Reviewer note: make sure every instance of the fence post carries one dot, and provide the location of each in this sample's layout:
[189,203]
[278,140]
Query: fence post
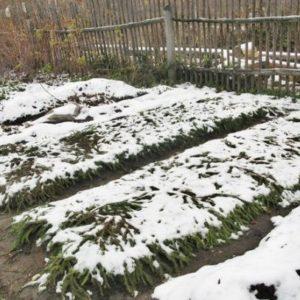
[170,39]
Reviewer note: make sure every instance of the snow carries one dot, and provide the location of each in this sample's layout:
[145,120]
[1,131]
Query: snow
[39,97]
[275,262]
[165,201]
[178,197]
[246,46]
[69,109]
[125,128]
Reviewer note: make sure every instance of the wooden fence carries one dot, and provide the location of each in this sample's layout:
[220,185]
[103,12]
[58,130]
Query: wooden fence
[233,44]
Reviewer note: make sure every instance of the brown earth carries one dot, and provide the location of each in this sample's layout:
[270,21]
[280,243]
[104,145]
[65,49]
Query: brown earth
[16,268]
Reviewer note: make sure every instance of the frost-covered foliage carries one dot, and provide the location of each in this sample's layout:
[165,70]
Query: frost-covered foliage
[150,222]
[271,271]
[6,88]
[42,160]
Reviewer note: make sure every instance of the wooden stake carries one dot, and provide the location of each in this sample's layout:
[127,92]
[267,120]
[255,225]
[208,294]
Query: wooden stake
[170,39]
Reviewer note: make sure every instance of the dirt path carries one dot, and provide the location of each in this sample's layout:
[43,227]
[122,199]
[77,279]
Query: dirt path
[16,269]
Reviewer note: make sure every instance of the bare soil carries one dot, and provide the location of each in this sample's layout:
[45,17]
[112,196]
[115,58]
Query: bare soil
[17,268]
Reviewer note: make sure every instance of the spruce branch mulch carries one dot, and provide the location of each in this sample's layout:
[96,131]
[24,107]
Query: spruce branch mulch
[39,170]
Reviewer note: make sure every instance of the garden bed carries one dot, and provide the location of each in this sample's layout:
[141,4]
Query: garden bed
[25,102]
[271,271]
[40,162]
[148,224]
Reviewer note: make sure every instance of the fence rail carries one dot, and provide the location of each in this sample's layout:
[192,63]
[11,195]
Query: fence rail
[112,27]
[234,44]
[241,20]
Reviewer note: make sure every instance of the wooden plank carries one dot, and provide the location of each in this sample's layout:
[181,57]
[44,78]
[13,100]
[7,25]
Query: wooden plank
[253,36]
[170,39]
[227,44]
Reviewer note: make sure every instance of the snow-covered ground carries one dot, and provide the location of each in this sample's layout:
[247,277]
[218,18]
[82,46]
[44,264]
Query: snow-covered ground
[109,229]
[147,224]
[271,271]
[38,98]
[39,153]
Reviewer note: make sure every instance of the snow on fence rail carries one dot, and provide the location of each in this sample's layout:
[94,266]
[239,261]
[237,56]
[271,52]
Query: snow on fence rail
[241,20]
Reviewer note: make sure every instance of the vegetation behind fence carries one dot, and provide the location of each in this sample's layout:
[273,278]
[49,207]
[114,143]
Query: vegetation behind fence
[233,44]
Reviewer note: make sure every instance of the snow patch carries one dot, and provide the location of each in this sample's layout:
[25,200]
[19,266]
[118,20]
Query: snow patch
[269,270]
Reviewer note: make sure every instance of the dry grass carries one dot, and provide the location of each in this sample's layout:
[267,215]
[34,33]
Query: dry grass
[16,51]
[22,51]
